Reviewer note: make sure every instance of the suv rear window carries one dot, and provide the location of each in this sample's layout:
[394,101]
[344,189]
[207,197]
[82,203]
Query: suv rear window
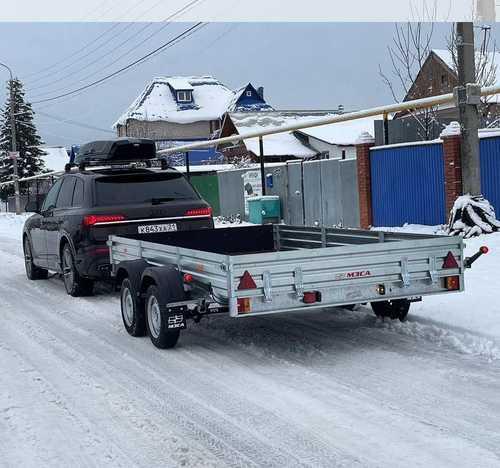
[143,188]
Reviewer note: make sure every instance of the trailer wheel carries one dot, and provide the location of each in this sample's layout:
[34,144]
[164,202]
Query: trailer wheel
[395,309]
[132,308]
[158,331]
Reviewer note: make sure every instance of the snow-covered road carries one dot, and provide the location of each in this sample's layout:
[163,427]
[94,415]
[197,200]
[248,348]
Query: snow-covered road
[330,388]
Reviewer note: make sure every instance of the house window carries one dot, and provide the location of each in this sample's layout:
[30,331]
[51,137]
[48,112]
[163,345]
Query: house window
[184,96]
[444,80]
[249,93]
[343,154]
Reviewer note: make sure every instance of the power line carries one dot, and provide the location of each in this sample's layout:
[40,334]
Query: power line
[180,37]
[49,69]
[185,8]
[74,122]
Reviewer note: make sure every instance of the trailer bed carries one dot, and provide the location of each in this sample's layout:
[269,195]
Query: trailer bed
[342,266]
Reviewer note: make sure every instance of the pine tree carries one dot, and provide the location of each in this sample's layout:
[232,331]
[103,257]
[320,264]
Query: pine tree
[30,161]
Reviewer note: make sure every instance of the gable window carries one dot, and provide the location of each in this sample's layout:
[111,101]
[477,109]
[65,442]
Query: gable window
[249,93]
[184,96]
[444,80]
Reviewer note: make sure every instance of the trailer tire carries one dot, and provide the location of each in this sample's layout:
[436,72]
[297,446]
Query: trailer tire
[393,309]
[158,331]
[132,308]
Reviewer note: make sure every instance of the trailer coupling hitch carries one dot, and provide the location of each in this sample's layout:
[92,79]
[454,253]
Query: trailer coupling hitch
[470,260]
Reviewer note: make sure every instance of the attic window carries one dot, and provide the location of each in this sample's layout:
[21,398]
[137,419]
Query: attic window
[184,96]
[249,93]
[444,80]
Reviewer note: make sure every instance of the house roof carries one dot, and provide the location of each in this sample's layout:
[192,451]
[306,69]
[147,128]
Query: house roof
[282,144]
[342,133]
[257,104]
[157,102]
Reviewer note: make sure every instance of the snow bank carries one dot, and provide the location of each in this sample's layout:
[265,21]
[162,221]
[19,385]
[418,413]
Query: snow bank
[11,225]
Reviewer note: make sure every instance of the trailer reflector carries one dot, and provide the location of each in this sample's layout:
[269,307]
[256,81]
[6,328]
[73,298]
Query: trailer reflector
[450,262]
[246,282]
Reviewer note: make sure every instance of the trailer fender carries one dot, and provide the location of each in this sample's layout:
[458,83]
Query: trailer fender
[132,270]
[168,279]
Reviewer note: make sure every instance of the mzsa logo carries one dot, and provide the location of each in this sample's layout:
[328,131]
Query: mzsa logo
[352,275]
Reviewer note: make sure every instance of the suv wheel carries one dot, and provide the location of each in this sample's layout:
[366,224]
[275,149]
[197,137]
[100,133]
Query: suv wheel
[32,271]
[75,285]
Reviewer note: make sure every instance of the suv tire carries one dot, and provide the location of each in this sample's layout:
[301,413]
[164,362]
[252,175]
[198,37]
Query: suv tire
[32,271]
[75,285]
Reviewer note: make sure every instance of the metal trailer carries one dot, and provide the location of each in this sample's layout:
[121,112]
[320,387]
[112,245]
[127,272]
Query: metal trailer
[271,269]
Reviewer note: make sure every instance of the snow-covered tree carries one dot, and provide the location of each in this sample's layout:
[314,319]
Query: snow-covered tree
[30,161]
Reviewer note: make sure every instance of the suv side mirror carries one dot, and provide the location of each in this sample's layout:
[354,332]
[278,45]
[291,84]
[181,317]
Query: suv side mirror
[32,207]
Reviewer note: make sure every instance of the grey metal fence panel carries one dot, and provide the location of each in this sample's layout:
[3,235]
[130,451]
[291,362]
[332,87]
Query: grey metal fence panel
[331,192]
[232,200]
[313,211]
[294,210]
[350,193]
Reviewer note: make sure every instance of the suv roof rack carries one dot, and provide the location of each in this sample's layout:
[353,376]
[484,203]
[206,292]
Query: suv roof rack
[95,165]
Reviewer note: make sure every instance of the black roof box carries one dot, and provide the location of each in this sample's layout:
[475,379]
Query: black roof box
[120,149]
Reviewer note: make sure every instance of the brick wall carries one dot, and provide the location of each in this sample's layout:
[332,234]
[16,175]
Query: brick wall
[452,169]
[364,182]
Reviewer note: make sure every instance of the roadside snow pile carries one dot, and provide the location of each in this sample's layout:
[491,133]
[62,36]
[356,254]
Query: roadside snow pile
[472,216]
[463,342]
[11,225]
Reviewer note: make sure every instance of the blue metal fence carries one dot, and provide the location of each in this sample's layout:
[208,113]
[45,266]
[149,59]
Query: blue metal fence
[408,185]
[490,171]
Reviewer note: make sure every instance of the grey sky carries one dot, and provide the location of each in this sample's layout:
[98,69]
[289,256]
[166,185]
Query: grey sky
[301,65]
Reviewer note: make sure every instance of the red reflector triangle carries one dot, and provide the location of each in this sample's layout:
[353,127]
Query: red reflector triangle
[247,282]
[450,261]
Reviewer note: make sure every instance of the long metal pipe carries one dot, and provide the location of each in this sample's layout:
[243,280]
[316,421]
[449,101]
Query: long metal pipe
[391,108]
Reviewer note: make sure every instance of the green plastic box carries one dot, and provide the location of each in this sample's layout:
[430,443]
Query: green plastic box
[264,210]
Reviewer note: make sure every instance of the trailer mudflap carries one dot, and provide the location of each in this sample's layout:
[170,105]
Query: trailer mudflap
[175,317]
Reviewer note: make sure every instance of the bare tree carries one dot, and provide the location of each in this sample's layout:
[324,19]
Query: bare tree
[408,53]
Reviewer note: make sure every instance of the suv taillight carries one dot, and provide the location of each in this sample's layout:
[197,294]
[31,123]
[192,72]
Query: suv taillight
[92,220]
[199,212]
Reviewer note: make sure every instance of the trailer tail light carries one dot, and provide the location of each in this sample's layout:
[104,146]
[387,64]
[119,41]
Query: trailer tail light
[311,297]
[452,283]
[199,212]
[188,278]
[92,220]
[450,262]
[244,305]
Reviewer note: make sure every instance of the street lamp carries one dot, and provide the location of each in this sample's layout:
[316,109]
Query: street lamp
[14,142]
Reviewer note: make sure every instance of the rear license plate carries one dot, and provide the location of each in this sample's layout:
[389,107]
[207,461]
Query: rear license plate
[155,228]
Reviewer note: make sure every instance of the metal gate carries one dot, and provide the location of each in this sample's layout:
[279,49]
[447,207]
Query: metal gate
[408,185]
[490,171]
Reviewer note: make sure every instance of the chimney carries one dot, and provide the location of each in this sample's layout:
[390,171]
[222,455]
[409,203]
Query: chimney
[260,91]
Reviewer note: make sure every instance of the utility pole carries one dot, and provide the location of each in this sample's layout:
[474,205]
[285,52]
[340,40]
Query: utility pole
[17,196]
[468,98]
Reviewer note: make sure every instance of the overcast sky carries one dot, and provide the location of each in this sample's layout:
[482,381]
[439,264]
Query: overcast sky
[301,65]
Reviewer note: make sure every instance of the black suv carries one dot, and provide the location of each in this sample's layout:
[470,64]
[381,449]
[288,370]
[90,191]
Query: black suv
[68,234]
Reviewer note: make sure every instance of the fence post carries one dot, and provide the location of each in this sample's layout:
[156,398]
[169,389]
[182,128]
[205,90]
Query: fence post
[452,138]
[363,145]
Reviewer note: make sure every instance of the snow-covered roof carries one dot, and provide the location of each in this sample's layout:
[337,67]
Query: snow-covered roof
[282,144]
[56,157]
[157,102]
[342,133]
